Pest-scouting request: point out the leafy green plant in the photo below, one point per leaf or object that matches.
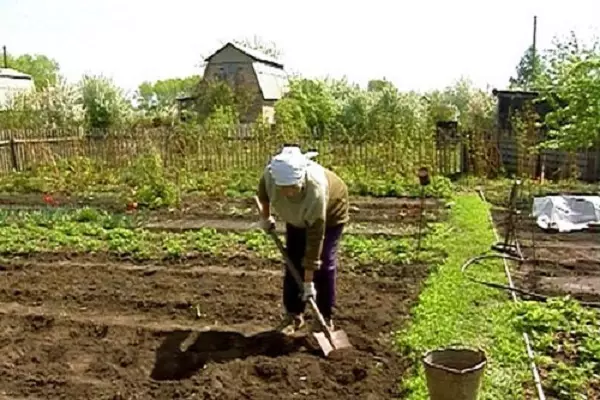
(93, 230)
(151, 186)
(566, 336)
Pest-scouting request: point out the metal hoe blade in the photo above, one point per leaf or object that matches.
(328, 340)
(339, 340)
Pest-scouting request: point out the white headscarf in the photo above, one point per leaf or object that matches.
(289, 167)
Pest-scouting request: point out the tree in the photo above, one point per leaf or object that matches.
(44, 70)
(103, 102)
(529, 70)
(574, 122)
(571, 86)
(378, 85)
(315, 100)
(211, 96)
(52, 107)
(163, 93)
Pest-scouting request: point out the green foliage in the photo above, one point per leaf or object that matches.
(163, 93)
(104, 103)
(221, 122)
(530, 69)
(150, 185)
(570, 83)
(365, 182)
(213, 96)
(575, 120)
(315, 102)
(453, 310)
(565, 338)
(342, 111)
(158, 100)
(43, 70)
(95, 103)
(49, 107)
(92, 230)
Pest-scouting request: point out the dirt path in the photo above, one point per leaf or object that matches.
(79, 329)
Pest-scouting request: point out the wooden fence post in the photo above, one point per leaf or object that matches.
(13, 153)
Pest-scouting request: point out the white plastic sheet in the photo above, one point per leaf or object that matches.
(566, 213)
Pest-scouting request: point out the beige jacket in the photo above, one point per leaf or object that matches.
(323, 202)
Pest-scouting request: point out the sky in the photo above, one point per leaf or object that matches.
(418, 45)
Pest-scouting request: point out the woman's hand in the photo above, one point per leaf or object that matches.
(268, 224)
(309, 291)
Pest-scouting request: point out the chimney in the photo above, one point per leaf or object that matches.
(5, 56)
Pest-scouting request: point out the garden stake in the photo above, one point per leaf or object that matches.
(423, 181)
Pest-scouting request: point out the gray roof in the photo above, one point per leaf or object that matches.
(254, 54)
(515, 93)
(273, 81)
(9, 73)
(259, 55)
(272, 78)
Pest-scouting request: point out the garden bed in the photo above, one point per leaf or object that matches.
(94, 308)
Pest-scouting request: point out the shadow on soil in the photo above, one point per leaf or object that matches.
(173, 363)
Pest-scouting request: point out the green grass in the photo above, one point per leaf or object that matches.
(452, 310)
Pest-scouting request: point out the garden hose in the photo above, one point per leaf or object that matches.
(532, 295)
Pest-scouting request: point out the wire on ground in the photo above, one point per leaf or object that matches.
(536, 375)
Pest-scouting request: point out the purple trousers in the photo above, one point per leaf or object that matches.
(324, 278)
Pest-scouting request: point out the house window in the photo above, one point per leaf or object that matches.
(228, 71)
(232, 69)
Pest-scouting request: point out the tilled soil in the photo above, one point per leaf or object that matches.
(579, 278)
(557, 263)
(363, 209)
(78, 329)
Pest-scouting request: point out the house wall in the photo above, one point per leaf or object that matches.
(556, 162)
(12, 87)
(236, 67)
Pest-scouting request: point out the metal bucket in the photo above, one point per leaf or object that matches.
(454, 373)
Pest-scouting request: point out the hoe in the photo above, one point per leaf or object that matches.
(328, 340)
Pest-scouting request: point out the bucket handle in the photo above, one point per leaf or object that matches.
(461, 346)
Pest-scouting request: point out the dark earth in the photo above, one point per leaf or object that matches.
(557, 263)
(90, 327)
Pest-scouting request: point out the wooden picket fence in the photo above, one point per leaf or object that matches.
(22, 150)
